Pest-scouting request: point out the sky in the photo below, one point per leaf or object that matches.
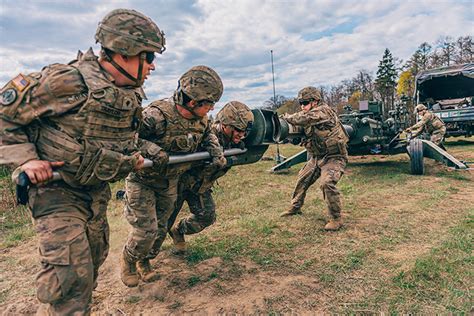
(318, 42)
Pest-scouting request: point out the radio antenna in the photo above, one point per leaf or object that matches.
(278, 157)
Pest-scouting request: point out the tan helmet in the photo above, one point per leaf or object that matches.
(308, 93)
(200, 83)
(237, 115)
(420, 107)
(128, 32)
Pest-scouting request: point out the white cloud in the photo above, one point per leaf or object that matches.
(314, 42)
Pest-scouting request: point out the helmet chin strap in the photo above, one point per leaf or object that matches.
(138, 80)
(180, 101)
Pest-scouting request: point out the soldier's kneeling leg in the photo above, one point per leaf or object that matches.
(203, 211)
(66, 279)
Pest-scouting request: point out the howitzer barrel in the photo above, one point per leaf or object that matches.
(265, 130)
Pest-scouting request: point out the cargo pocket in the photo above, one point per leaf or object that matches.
(57, 277)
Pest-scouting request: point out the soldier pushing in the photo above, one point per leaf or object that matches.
(326, 143)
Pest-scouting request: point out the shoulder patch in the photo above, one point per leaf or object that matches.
(8, 96)
(20, 82)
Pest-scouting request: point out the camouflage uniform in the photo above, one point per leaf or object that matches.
(76, 114)
(195, 186)
(151, 195)
(431, 124)
(326, 143)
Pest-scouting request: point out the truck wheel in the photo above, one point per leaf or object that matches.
(415, 150)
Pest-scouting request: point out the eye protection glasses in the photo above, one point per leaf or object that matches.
(305, 102)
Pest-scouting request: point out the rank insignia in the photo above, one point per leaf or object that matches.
(8, 96)
(20, 82)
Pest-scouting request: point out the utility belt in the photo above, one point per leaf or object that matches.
(328, 149)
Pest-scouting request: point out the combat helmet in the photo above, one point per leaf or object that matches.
(237, 115)
(308, 93)
(201, 83)
(420, 107)
(129, 32)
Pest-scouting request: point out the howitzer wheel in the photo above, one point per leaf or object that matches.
(415, 150)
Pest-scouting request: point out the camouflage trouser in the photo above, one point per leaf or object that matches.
(73, 236)
(329, 171)
(438, 135)
(202, 207)
(148, 211)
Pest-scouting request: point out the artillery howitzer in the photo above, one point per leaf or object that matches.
(369, 134)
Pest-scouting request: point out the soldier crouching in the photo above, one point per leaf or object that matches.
(429, 123)
(326, 143)
(81, 117)
(178, 125)
(232, 124)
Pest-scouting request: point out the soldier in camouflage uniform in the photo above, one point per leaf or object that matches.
(326, 143)
(178, 125)
(232, 124)
(81, 117)
(430, 123)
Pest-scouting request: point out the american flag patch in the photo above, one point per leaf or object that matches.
(20, 82)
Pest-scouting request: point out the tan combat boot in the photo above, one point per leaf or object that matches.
(128, 272)
(146, 272)
(290, 212)
(334, 224)
(178, 240)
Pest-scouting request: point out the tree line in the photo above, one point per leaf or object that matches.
(394, 79)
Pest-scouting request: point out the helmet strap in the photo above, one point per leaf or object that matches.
(180, 100)
(124, 72)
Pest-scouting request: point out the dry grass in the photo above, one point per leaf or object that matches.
(406, 247)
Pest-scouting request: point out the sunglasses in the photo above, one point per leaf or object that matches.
(246, 131)
(305, 102)
(149, 57)
(205, 102)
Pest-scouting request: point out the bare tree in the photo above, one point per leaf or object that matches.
(274, 103)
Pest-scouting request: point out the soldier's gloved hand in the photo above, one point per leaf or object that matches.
(160, 161)
(217, 163)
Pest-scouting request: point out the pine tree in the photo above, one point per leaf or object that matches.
(386, 80)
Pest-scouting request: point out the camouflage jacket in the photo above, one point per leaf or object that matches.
(164, 128)
(195, 178)
(72, 113)
(429, 122)
(325, 135)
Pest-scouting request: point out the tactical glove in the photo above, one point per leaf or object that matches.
(160, 161)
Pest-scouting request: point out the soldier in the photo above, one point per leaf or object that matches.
(326, 143)
(430, 123)
(175, 125)
(81, 117)
(232, 124)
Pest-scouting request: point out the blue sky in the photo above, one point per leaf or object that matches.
(318, 42)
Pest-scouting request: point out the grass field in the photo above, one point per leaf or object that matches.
(406, 247)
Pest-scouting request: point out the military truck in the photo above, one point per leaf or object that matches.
(449, 93)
